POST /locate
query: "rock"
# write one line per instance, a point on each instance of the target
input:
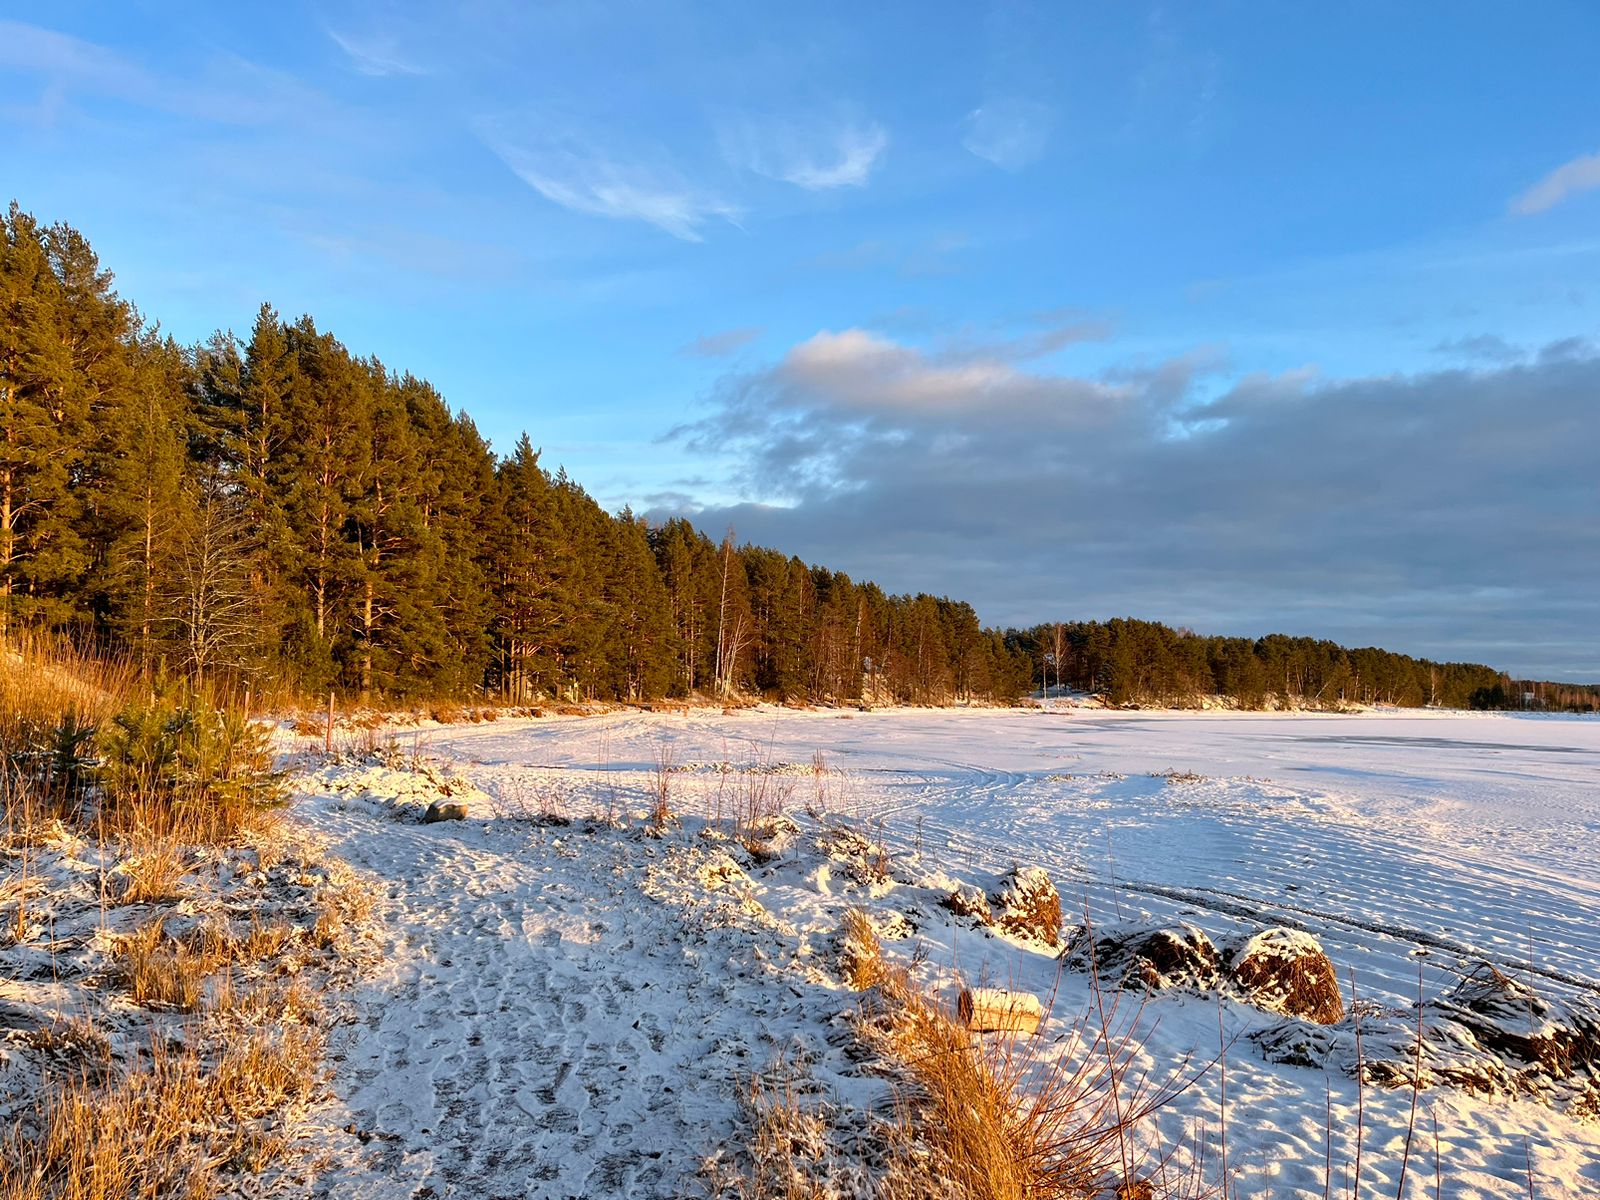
(968, 900)
(445, 810)
(1147, 957)
(1489, 1035)
(1286, 971)
(1508, 1018)
(993, 1010)
(1027, 905)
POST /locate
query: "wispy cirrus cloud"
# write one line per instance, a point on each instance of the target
(580, 174)
(1050, 333)
(378, 55)
(1581, 174)
(811, 154)
(226, 89)
(1008, 131)
(720, 345)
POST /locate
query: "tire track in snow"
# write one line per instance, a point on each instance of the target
(1506, 905)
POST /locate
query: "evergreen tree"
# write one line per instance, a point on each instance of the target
(141, 507)
(43, 414)
(533, 573)
(279, 504)
(326, 455)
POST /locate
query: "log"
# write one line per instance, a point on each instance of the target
(994, 1010)
(444, 810)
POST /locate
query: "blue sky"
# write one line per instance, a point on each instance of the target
(1243, 316)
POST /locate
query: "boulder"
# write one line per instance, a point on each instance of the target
(445, 810)
(1027, 905)
(968, 900)
(1150, 957)
(1286, 971)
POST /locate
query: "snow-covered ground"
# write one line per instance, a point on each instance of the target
(569, 1010)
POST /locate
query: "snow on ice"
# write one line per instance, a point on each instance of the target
(574, 999)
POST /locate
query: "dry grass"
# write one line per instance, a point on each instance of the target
(160, 779)
(160, 972)
(661, 791)
(73, 1039)
(345, 910)
(860, 953)
(169, 1128)
(791, 1150)
(46, 683)
(185, 815)
(992, 1119)
(152, 872)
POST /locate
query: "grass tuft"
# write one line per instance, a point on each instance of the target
(168, 1128)
(991, 1119)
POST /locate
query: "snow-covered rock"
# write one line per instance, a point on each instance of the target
(1287, 971)
(1138, 955)
(1027, 905)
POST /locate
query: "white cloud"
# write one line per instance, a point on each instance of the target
(374, 55)
(720, 345)
(576, 174)
(860, 371)
(1009, 132)
(1582, 174)
(812, 155)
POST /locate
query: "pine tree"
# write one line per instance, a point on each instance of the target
(326, 455)
(141, 507)
(533, 573)
(641, 616)
(43, 416)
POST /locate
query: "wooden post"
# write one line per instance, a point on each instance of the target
(327, 742)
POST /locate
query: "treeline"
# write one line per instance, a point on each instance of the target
(1131, 661)
(278, 507)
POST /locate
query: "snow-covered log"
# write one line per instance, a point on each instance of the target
(994, 1010)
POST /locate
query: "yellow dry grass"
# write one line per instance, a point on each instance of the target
(991, 1119)
(860, 953)
(152, 871)
(45, 681)
(789, 1146)
(168, 1128)
(160, 972)
(173, 1123)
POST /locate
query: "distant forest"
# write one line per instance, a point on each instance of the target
(278, 509)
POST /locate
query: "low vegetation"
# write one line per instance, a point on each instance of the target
(188, 937)
(989, 1119)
